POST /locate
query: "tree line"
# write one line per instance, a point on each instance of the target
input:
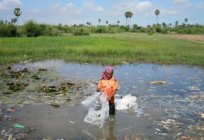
(33, 29)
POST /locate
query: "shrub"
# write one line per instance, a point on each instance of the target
(32, 29)
(81, 32)
(8, 30)
(151, 31)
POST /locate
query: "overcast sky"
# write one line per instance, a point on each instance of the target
(80, 11)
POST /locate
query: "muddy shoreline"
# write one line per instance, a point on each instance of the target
(21, 86)
(27, 91)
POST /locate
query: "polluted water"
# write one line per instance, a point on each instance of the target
(43, 100)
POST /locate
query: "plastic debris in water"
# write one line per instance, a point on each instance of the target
(157, 82)
(201, 115)
(139, 112)
(17, 125)
(197, 127)
(126, 102)
(73, 122)
(96, 114)
(11, 109)
(193, 88)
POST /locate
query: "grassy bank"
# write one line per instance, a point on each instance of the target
(105, 49)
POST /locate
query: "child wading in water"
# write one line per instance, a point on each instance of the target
(108, 85)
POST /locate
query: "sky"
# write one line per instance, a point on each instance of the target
(72, 12)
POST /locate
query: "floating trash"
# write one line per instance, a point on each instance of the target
(139, 112)
(201, 115)
(126, 102)
(17, 125)
(193, 88)
(197, 127)
(157, 82)
(173, 109)
(97, 116)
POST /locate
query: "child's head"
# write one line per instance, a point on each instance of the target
(108, 73)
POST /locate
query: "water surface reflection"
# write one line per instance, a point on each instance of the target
(166, 111)
(134, 78)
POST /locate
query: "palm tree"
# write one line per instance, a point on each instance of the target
(17, 12)
(6, 21)
(118, 22)
(176, 23)
(106, 22)
(128, 16)
(186, 20)
(88, 23)
(164, 25)
(99, 21)
(1, 21)
(13, 20)
(157, 12)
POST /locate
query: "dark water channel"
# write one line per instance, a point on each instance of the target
(170, 109)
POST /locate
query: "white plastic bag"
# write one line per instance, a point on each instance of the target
(98, 111)
(126, 102)
(91, 99)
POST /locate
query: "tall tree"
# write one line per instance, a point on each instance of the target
(164, 25)
(176, 23)
(17, 12)
(157, 12)
(106, 22)
(99, 21)
(128, 16)
(186, 20)
(1, 21)
(88, 23)
(13, 20)
(118, 22)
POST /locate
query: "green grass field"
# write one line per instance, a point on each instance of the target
(104, 49)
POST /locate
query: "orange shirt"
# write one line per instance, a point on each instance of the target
(109, 87)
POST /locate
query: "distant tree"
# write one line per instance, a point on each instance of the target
(60, 26)
(13, 20)
(17, 12)
(99, 21)
(88, 23)
(32, 29)
(8, 30)
(186, 20)
(106, 22)
(135, 28)
(1, 22)
(164, 25)
(176, 23)
(81, 25)
(157, 12)
(6, 22)
(128, 16)
(118, 22)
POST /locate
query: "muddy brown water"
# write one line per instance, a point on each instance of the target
(168, 110)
